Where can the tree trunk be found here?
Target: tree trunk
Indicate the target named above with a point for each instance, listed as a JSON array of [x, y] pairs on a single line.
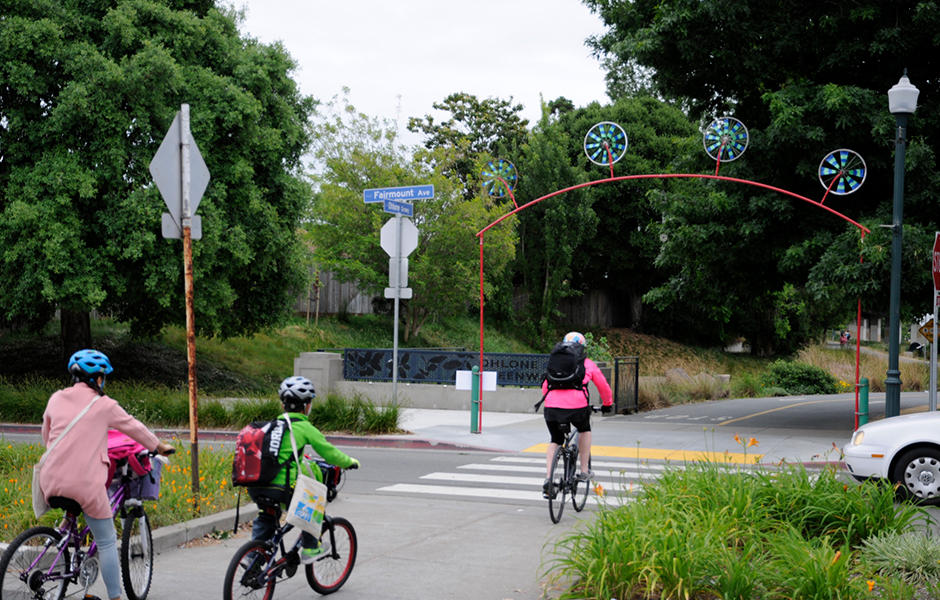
[[74, 332]]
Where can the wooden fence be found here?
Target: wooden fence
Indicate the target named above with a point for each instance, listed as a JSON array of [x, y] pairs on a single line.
[[593, 309]]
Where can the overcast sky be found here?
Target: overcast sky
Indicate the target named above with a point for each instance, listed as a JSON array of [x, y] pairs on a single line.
[[398, 58]]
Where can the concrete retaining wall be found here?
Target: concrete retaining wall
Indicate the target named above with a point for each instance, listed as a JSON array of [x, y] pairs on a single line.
[[325, 370]]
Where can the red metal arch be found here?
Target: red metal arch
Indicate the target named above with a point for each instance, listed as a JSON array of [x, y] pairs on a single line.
[[612, 179]]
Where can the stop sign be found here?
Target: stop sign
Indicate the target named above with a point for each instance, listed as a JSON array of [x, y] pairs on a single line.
[[936, 262]]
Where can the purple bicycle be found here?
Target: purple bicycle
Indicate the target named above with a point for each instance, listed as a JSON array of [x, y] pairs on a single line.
[[42, 561]]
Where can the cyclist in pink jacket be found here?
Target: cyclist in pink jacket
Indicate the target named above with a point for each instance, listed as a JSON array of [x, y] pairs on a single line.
[[78, 467], [571, 406]]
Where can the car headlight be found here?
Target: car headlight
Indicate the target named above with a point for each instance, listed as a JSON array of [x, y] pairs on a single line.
[[858, 437]]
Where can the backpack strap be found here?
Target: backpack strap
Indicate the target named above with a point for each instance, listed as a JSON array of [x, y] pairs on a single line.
[[293, 444], [539, 403]]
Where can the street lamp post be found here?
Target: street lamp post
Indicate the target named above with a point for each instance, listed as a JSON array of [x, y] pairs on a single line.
[[902, 102]]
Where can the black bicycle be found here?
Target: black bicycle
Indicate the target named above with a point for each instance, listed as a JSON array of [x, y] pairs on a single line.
[[564, 475], [259, 565]]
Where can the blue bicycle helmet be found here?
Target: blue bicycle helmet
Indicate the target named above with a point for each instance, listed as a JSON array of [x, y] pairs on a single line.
[[87, 365]]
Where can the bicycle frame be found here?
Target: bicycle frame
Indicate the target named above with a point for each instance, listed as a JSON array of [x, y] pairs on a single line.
[[71, 535], [274, 567]]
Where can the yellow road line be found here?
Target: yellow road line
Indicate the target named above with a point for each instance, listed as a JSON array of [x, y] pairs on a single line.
[[776, 409], [677, 455]]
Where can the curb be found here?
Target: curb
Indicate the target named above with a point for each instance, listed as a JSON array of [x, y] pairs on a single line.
[[222, 435], [171, 536]]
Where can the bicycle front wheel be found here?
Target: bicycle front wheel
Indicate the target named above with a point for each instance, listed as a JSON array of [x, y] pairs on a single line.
[[137, 555], [580, 491], [246, 577], [330, 571], [32, 567], [559, 479]]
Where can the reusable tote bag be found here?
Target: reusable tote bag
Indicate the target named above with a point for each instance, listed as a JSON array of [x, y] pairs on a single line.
[[308, 504], [40, 507]]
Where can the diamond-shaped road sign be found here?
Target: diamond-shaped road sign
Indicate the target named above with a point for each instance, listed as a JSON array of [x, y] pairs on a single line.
[[409, 236], [167, 172]]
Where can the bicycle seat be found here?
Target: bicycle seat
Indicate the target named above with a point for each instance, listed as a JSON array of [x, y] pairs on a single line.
[[564, 427], [66, 504], [266, 502]]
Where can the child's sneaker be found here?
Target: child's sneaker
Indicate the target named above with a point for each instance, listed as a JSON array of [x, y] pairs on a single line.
[[308, 555]]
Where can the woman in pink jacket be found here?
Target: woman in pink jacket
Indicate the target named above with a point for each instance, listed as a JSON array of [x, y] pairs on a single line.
[[77, 467], [571, 406]]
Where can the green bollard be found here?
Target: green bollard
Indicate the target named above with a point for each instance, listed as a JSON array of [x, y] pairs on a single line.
[[475, 400], [862, 401]]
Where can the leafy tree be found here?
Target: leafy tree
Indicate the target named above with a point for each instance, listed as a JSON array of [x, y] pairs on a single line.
[[551, 231], [475, 127], [806, 78], [87, 93], [620, 256], [355, 152]]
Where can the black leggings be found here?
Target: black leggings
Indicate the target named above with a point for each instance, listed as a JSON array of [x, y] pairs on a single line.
[[579, 417]]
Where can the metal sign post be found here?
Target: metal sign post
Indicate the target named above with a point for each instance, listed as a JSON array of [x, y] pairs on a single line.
[[181, 176], [933, 354], [936, 303]]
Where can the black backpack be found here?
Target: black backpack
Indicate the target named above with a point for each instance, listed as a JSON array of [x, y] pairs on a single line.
[[256, 453], [565, 369]]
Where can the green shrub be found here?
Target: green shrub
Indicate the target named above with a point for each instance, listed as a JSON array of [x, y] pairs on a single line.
[[357, 415], [800, 379], [702, 530]]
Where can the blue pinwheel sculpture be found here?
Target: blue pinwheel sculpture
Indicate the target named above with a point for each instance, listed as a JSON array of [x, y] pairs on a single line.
[[497, 175], [725, 139], [842, 172], [605, 143]]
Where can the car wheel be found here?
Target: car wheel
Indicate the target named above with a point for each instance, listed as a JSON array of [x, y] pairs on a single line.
[[917, 474]]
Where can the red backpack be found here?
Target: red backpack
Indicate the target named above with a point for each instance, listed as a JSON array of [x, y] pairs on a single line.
[[256, 453]]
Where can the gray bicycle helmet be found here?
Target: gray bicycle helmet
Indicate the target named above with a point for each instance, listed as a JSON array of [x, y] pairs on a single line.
[[295, 392]]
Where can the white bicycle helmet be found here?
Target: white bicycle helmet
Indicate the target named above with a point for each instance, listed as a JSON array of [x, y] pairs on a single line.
[[296, 390]]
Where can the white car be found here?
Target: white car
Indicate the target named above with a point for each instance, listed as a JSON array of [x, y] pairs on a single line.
[[904, 450]]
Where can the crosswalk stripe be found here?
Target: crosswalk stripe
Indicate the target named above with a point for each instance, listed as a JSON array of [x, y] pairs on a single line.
[[599, 473], [411, 488], [594, 463], [502, 480]]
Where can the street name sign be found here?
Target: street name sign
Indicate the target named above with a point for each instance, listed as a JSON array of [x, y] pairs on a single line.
[[398, 208], [402, 194]]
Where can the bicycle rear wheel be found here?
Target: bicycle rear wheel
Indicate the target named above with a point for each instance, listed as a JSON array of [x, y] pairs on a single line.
[[558, 477], [137, 554], [29, 562], [580, 489], [245, 577], [330, 571]]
